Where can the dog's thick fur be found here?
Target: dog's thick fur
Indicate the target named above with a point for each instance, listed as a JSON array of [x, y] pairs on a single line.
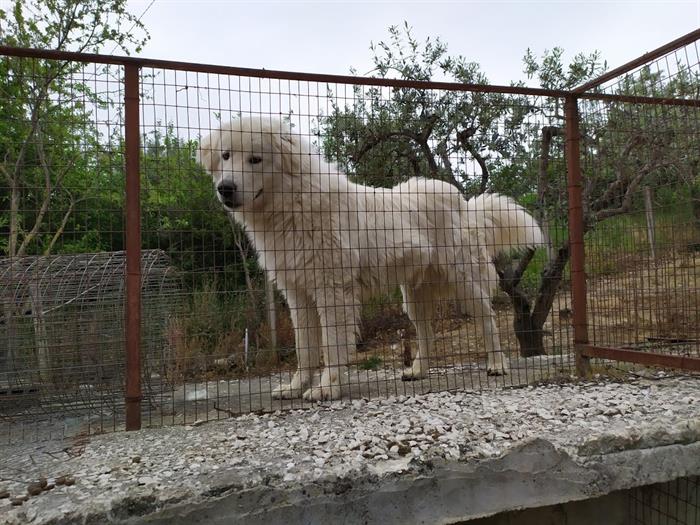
[[330, 243]]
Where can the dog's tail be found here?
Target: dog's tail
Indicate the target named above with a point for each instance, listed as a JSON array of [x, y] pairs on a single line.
[[502, 224]]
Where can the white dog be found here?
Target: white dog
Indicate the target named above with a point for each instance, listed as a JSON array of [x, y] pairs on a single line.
[[329, 244]]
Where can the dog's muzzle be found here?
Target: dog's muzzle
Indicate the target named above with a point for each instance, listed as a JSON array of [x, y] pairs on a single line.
[[227, 194]]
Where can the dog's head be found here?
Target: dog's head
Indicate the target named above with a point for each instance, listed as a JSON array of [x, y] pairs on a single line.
[[248, 159]]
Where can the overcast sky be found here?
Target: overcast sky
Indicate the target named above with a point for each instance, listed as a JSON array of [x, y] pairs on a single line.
[[330, 37]]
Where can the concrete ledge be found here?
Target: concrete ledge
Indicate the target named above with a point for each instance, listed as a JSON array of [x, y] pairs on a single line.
[[533, 475], [439, 458]]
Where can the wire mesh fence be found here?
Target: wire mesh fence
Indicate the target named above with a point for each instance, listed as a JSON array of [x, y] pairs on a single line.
[[641, 168], [248, 344], [62, 333], [319, 238], [674, 503]]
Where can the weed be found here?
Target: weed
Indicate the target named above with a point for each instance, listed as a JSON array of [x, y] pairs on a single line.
[[372, 362]]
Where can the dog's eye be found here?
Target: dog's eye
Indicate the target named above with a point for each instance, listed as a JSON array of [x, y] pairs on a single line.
[[255, 160], [226, 155]]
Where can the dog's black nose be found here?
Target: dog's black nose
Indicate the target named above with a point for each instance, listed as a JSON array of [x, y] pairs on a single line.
[[227, 192]]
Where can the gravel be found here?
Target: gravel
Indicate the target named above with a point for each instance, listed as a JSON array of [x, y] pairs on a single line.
[[341, 440]]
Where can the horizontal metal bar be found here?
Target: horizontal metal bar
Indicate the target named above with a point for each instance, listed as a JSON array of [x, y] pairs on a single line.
[[640, 61], [644, 358], [70, 56], [632, 99], [268, 73]]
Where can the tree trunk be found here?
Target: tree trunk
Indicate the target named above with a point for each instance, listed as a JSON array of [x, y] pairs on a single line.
[[14, 218], [529, 319], [695, 206], [530, 336], [649, 212], [548, 133]]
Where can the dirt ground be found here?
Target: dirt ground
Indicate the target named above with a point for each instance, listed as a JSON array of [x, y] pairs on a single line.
[[648, 307]]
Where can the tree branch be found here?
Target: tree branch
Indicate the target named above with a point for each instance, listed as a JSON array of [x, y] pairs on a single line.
[[622, 175], [485, 174], [463, 139], [62, 226], [626, 203], [548, 133], [38, 221], [444, 155], [418, 139], [551, 277]]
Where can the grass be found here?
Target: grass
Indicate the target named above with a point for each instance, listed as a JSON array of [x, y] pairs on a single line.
[[373, 362], [213, 325], [620, 243], [620, 239]]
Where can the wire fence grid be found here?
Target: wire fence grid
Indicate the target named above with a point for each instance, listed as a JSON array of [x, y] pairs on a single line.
[[673, 503], [642, 176], [270, 218]]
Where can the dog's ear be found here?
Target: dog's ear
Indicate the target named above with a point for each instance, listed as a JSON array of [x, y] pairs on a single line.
[[288, 148], [204, 154]]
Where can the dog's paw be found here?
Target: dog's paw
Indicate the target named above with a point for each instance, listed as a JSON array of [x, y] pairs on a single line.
[[323, 393], [496, 364], [497, 371], [414, 373], [286, 391]]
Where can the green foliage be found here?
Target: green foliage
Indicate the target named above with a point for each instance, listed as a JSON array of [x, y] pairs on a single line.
[[371, 363], [49, 142], [552, 73], [71, 25], [384, 136], [625, 235], [181, 217]]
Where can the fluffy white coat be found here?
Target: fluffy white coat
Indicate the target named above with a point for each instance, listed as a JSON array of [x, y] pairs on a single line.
[[330, 244]]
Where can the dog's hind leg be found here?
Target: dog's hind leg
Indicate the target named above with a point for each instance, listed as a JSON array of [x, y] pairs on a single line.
[[419, 306], [307, 333], [478, 304], [339, 312]]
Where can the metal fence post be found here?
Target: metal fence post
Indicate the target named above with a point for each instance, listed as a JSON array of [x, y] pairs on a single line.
[[133, 247], [576, 231]]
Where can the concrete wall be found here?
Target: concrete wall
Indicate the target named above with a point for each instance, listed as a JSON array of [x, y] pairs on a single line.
[[673, 503], [610, 510]]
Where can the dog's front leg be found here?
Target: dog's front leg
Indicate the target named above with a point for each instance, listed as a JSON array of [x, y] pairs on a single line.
[[496, 361], [307, 335], [339, 314]]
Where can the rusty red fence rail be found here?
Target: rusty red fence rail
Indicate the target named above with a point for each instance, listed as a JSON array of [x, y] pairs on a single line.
[[576, 234], [133, 247], [659, 52], [339, 79]]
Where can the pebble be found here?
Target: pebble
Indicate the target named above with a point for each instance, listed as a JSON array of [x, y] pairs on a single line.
[[65, 480], [146, 480], [34, 489]]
